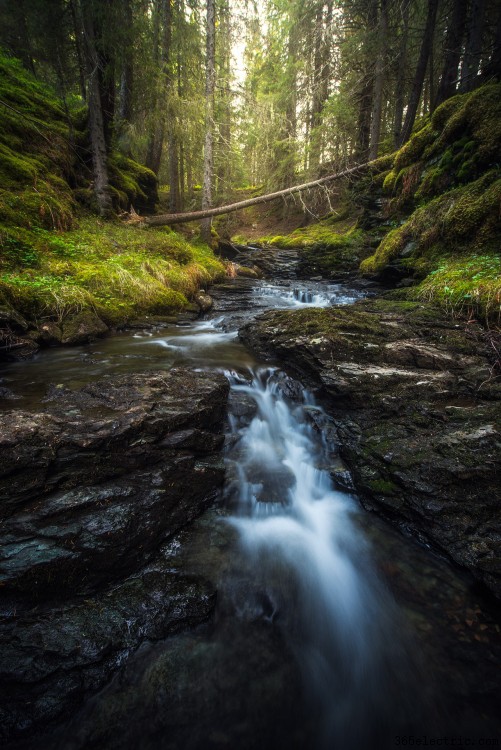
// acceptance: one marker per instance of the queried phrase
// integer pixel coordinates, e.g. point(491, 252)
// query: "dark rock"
point(7, 393)
point(82, 328)
point(11, 319)
point(50, 334)
point(227, 250)
point(91, 488)
point(417, 411)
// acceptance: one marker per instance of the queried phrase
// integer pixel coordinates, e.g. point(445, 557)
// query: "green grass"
point(469, 285)
point(120, 271)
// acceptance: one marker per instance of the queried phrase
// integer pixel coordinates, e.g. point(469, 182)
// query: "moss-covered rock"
point(444, 189)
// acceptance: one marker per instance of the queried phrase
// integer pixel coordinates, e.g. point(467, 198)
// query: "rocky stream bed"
point(117, 569)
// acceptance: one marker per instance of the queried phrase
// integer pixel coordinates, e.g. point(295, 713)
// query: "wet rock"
point(204, 302)
point(248, 273)
point(82, 328)
point(15, 340)
point(417, 410)
point(50, 334)
point(6, 393)
point(91, 488)
point(11, 319)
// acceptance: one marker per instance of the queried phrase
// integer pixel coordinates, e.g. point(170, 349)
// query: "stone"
point(204, 302)
point(82, 328)
point(93, 488)
point(9, 318)
point(417, 411)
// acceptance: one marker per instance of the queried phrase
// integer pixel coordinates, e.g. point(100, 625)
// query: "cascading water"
point(306, 649)
point(301, 296)
point(314, 567)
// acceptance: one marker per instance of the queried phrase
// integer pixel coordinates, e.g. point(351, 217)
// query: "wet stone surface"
point(91, 487)
point(417, 411)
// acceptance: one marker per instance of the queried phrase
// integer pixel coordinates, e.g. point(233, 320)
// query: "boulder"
point(82, 328)
point(203, 301)
point(417, 411)
point(92, 489)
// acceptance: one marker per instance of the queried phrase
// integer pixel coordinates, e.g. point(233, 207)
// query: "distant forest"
point(222, 94)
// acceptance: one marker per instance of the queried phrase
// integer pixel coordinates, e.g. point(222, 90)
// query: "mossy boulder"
point(82, 328)
point(444, 191)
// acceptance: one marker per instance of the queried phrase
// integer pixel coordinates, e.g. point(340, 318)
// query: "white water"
point(315, 569)
point(298, 297)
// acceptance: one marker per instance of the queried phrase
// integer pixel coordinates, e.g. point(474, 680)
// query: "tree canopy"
point(216, 95)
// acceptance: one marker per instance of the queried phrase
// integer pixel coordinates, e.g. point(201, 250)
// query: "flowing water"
point(315, 567)
point(309, 647)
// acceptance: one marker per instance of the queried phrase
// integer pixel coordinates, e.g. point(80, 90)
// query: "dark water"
point(331, 630)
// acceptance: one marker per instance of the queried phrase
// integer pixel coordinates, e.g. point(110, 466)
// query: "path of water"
point(309, 648)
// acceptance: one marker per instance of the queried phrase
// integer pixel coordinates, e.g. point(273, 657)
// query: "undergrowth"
point(444, 189)
point(468, 286)
point(118, 271)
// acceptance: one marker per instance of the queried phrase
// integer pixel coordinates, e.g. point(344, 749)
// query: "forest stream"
point(331, 629)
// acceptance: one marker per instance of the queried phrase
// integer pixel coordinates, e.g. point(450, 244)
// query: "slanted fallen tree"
point(182, 218)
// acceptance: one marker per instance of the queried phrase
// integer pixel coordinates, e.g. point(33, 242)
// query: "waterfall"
point(314, 566)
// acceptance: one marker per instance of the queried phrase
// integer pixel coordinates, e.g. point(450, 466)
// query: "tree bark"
point(417, 86)
point(79, 43)
point(173, 174)
point(473, 49)
point(210, 80)
point(453, 42)
point(127, 72)
point(162, 219)
point(153, 153)
point(401, 74)
point(365, 96)
point(95, 115)
point(377, 98)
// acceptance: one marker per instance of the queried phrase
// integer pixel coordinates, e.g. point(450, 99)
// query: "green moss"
point(390, 181)
point(468, 285)
point(331, 323)
point(382, 486)
point(445, 111)
point(458, 220)
point(119, 271)
point(413, 150)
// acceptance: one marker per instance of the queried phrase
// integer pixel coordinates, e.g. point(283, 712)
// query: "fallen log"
point(182, 218)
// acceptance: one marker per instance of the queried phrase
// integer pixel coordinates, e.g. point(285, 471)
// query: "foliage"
point(119, 271)
point(448, 180)
point(468, 285)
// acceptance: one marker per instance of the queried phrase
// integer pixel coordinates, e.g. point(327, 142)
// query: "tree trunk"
point(377, 106)
point(493, 68)
point(417, 86)
point(453, 42)
point(162, 219)
point(77, 31)
point(210, 80)
point(127, 72)
point(173, 175)
point(22, 45)
point(153, 152)
point(401, 75)
point(365, 96)
point(473, 49)
point(96, 125)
